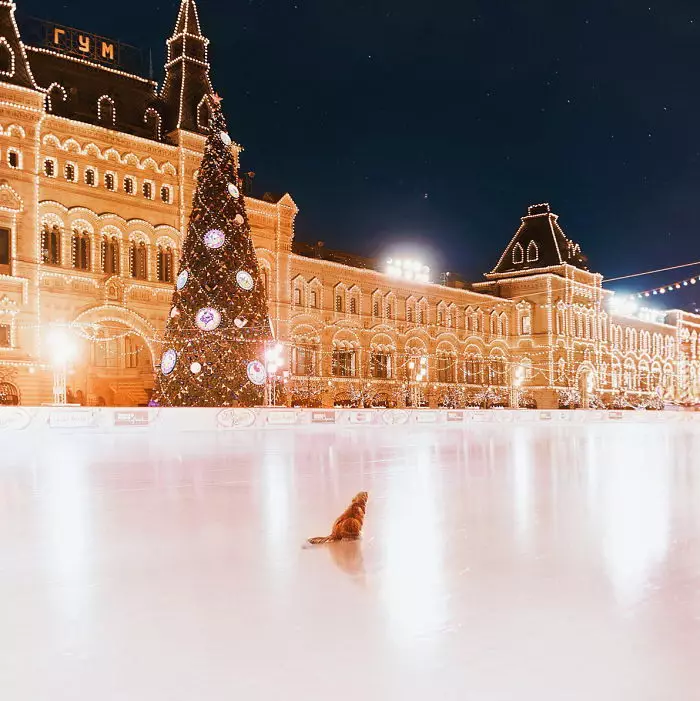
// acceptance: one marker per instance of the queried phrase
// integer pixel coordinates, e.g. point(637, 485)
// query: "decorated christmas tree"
point(214, 343)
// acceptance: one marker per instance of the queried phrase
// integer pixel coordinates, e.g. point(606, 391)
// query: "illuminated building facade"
point(97, 171)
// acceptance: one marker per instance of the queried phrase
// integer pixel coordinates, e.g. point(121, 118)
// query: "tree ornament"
point(239, 219)
point(168, 361)
point(233, 191)
point(225, 138)
point(174, 312)
point(214, 238)
point(196, 368)
point(240, 322)
point(257, 373)
point(245, 280)
point(182, 279)
point(208, 319)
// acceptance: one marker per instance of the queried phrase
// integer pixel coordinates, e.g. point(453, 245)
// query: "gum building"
point(98, 166)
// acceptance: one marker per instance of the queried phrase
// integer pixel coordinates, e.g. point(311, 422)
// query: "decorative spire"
point(188, 20)
point(187, 81)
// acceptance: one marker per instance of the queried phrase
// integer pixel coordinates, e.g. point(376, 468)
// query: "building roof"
point(320, 252)
point(79, 89)
point(82, 85)
point(539, 243)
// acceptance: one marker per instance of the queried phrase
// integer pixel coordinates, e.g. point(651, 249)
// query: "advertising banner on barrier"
point(282, 418)
point(361, 417)
point(72, 418)
point(235, 418)
point(453, 416)
point(132, 418)
point(14, 419)
point(426, 417)
point(323, 417)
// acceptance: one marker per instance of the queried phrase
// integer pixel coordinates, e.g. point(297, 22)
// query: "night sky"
point(437, 123)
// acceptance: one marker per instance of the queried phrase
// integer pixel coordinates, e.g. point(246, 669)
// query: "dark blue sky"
point(439, 122)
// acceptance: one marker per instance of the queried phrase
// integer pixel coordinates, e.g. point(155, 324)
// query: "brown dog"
point(348, 526)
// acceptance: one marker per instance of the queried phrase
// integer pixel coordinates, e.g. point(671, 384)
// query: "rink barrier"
point(110, 419)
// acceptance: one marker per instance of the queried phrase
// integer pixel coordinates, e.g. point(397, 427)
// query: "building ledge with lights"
point(98, 166)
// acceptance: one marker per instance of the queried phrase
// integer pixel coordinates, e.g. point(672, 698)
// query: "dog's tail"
point(319, 541)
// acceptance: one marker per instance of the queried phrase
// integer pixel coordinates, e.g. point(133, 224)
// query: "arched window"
point(106, 111)
point(109, 254)
point(56, 97)
point(7, 58)
point(533, 253)
point(14, 158)
point(165, 194)
point(339, 303)
point(70, 172)
point(409, 314)
point(518, 254)
point(165, 263)
point(90, 177)
point(148, 190)
point(388, 311)
point(138, 260)
point(297, 296)
point(204, 114)
point(561, 370)
point(497, 370)
point(129, 185)
point(474, 370)
point(375, 308)
point(353, 306)
point(80, 249)
point(9, 394)
point(51, 245)
point(153, 124)
point(50, 168)
point(109, 181)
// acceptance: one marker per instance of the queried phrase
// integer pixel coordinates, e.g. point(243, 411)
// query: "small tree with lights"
point(214, 344)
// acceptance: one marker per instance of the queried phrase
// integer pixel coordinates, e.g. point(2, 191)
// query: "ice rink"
point(499, 563)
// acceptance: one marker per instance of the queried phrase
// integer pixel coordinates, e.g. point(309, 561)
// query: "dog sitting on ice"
point(348, 526)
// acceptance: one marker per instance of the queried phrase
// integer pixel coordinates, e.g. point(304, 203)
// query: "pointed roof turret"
point(187, 82)
point(14, 66)
point(188, 20)
point(539, 243)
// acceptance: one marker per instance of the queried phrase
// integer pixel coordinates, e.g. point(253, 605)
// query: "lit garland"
point(666, 288)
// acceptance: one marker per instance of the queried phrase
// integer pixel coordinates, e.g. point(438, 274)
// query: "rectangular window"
point(297, 297)
point(338, 303)
point(5, 336)
point(445, 368)
point(314, 299)
point(380, 366)
point(527, 325)
point(4, 248)
point(344, 363)
point(304, 361)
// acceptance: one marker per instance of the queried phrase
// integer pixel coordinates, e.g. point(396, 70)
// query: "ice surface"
point(500, 563)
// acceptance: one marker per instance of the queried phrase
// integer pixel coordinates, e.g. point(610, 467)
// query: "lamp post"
point(518, 377)
point(273, 358)
point(417, 380)
point(62, 351)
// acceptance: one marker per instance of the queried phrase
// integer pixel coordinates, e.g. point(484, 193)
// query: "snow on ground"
point(499, 563)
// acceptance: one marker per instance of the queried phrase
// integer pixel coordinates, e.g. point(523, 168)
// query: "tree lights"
point(213, 348)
